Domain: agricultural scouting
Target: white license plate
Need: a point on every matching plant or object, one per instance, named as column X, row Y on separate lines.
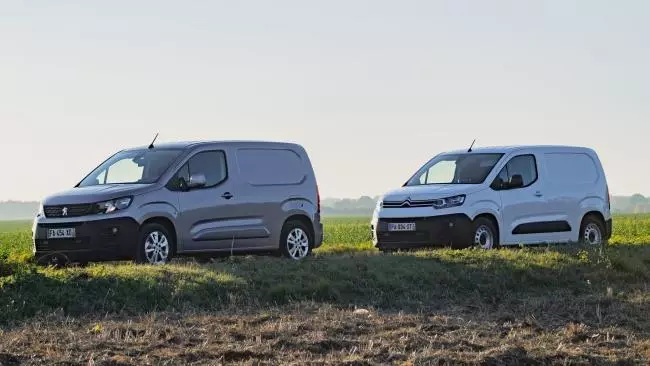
column 401, row 226
column 61, row 233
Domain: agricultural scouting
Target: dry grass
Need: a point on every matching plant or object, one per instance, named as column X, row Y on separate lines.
column 317, row 334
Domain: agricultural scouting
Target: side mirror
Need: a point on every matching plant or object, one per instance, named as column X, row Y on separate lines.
column 196, row 181
column 516, row 181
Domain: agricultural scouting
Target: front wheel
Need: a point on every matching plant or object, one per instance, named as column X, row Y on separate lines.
column 295, row 241
column 155, row 245
column 484, row 234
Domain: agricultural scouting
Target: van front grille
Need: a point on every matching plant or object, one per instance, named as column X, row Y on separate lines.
column 68, row 210
column 409, row 203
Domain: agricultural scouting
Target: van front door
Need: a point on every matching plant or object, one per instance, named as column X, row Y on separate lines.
column 525, row 214
column 206, row 199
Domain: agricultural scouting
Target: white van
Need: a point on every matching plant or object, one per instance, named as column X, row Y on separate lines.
column 494, row 196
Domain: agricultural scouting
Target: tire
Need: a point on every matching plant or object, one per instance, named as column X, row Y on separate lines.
column 592, row 232
column 55, row 260
column 296, row 241
column 484, row 234
column 155, row 245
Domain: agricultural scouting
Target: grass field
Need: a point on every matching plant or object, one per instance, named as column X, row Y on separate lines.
column 345, row 305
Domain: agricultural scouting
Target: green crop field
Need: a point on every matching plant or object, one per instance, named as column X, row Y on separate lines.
column 347, row 304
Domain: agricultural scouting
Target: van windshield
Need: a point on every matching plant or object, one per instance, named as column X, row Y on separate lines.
column 467, row 168
column 132, row 166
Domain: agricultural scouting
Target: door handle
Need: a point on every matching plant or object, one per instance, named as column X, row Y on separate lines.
column 227, row 195
column 538, row 194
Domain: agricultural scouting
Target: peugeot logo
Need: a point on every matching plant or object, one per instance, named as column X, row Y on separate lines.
column 64, row 211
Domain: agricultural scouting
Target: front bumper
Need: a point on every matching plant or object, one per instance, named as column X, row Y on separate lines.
column 445, row 230
column 97, row 240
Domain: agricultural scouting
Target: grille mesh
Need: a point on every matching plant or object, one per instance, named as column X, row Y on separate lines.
column 69, row 210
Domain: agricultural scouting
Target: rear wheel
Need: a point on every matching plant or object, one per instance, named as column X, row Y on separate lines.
column 295, row 242
column 592, row 231
column 155, row 245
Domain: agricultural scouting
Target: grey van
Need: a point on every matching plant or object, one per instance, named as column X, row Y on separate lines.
column 151, row 203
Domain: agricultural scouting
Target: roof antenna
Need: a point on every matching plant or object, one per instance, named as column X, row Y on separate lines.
column 471, row 146
column 154, row 140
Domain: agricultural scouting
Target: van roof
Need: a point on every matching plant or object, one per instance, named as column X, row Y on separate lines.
column 193, row 144
column 509, row 149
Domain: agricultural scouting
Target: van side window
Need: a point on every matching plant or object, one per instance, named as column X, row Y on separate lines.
column 212, row 164
column 271, row 166
column 567, row 168
column 519, row 172
column 179, row 182
column 180, row 179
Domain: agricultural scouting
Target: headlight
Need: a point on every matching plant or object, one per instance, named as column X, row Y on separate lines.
column 378, row 205
column 41, row 210
column 449, row 202
column 114, row 205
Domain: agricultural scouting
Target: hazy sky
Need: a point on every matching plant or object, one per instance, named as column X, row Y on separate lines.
column 372, row 88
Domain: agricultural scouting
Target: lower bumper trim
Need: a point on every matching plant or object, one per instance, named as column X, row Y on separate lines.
column 99, row 240
column 446, row 230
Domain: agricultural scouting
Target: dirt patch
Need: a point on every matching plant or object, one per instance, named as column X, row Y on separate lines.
column 333, row 336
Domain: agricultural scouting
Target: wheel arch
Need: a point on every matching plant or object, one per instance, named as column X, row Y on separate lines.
column 599, row 215
column 490, row 216
column 489, row 208
column 303, row 218
column 606, row 229
column 168, row 224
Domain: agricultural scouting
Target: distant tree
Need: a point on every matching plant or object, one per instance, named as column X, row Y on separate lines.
column 366, row 202
column 637, row 199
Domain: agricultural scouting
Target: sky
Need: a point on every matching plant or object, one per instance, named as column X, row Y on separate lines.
column 372, row 89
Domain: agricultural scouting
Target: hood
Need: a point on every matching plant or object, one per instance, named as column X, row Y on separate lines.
column 98, row 193
column 430, row 192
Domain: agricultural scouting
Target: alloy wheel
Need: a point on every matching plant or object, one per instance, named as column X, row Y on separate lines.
column 297, row 243
column 156, row 248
